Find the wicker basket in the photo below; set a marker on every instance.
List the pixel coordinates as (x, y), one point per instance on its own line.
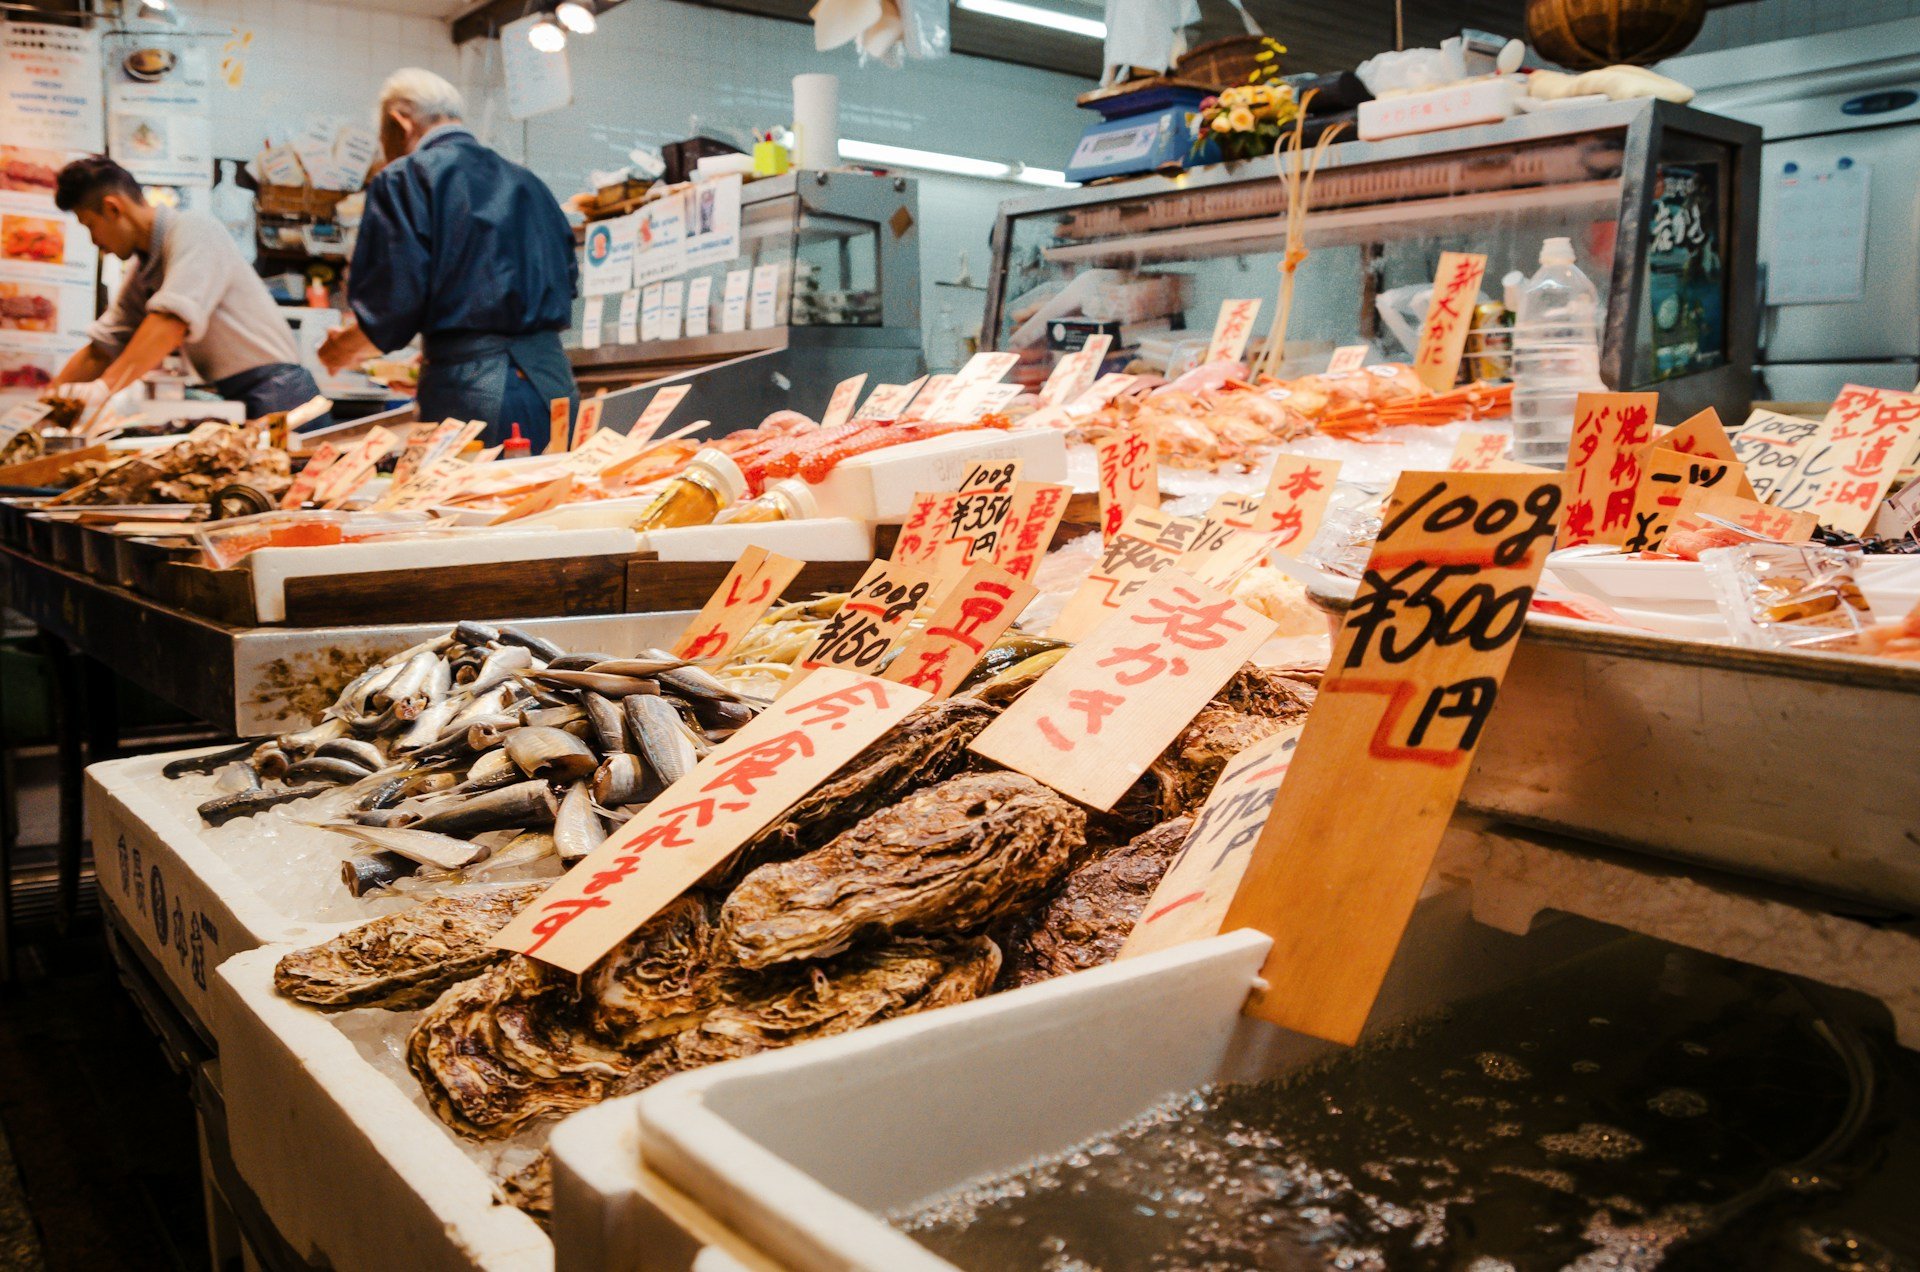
(1583, 35)
(1227, 63)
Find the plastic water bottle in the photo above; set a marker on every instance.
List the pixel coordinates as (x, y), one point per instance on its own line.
(1556, 355)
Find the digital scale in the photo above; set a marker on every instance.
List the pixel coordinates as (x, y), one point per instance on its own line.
(1145, 126)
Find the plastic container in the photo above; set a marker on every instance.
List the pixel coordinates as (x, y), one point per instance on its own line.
(789, 500)
(1556, 355)
(710, 482)
(516, 446)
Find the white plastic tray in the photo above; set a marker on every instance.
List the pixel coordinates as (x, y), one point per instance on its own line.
(880, 486)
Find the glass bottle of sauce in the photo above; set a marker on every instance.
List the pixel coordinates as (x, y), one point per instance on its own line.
(710, 482)
(789, 500)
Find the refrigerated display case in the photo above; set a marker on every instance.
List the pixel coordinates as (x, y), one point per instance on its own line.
(1658, 199)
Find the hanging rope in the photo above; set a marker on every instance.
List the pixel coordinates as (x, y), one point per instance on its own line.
(1298, 171)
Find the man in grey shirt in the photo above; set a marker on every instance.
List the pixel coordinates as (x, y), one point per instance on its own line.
(190, 289)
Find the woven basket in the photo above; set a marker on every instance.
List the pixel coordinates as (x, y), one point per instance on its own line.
(1227, 63)
(1583, 35)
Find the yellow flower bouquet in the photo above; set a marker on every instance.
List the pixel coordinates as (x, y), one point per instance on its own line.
(1246, 121)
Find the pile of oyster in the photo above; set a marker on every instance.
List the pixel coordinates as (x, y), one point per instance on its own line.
(918, 875)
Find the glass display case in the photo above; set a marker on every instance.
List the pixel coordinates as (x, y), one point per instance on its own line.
(1659, 201)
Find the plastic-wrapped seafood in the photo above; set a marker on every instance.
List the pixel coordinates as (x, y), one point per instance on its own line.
(1085, 923)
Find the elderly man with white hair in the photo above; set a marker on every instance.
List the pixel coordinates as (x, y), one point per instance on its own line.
(471, 253)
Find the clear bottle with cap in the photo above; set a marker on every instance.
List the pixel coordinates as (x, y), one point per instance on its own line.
(789, 500)
(1556, 355)
(710, 483)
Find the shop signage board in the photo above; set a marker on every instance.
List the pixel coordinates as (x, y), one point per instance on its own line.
(977, 608)
(751, 587)
(840, 405)
(875, 613)
(1443, 336)
(1414, 676)
(695, 824)
(1665, 479)
(1232, 328)
(699, 302)
(1129, 478)
(607, 252)
(1149, 541)
(1094, 723)
(1037, 509)
(1610, 430)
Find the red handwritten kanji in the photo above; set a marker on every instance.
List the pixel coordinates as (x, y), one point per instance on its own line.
(1149, 658)
(1192, 625)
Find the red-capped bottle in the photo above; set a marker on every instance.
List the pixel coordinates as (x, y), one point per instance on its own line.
(515, 446)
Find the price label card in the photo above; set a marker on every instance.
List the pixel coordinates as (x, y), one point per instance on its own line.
(1443, 336)
(1764, 520)
(1149, 542)
(978, 519)
(1870, 435)
(1104, 390)
(876, 612)
(1415, 672)
(1035, 515)
(1295, 503)
(889, 401)
(354, 469)
(969, 402)
(751, 587)
(699, 301)
(587, 423)
(1699, 434)
(766, 296)
(1667, 477)
(658, 408)
(695, 824)
(543, 497)
(650, 301)
(733, 301)
(1094, 723)
(925, 527)
(1348, 358)
(1477, 451)
(1075, 373)
(324, 457)
(1773, 447)
(1221, 553)
(986, 368)
(559, 425)
(1610, 430)
(840, 405)
(977, 608)
(1232, 328)
(629, 317)
(1129, 479)
(1192, 897)
(594, 315)
(931, 398)
(599, 452)
(672, 297)
(1899, 514)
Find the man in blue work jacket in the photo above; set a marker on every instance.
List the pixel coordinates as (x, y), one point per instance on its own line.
(469, 252)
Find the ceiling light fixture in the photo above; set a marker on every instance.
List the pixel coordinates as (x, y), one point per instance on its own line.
(158, 6)
(1034, 15)
(938, 161)
(576, 17)
(547, 36)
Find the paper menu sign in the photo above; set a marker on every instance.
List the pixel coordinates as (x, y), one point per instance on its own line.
(1477, 451)
(650, 300)
(980, 606)
(1414, 677)
(1766, 521)
(925, 527)
(1232, 328)
(1075, 373)
(695, 824)
(1129, 478)
(877, 610)
(751, 587)
(1037, 509)
(324, 456)
(629, 317)
(1109, 707)
(1443, 336)
(887, 401)
(1150, 542)
(1610, 430)
(1665, 478)
(672, 296)
(585, 424)
(699, 294)
(658, 408)
(1348, 358)
(766, 296)
(733, 301)
(1192, 897)
(590, 323)
(840, 405)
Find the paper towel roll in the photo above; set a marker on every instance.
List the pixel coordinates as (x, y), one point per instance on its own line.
(816, 121)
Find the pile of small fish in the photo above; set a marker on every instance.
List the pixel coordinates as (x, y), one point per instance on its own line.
(483, 748)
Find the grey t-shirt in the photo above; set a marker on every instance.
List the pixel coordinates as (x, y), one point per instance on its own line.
(193, 272)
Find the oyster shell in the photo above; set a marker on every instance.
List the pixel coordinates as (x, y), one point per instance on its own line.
(530, 1189)
(1088, 920)
(1181, 777)
(952, 858)
(658, 981)
(404, 960)
(1282, 693)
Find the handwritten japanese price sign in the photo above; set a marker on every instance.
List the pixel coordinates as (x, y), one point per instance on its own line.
(559, 418)
(1443, 336)
(658, 408)
(979, 515)
(588, 421)
(1701, 433)
(977, 609)
(1036, 512)
(1762, 519)
(1075, 373)
(840, 405)
(696, 823)
(876, 611)
(1221, 553)
(1235, 510)
(749, 590)
(355, 468)
(1872, 435)
(1348, 358)
(324, 456)
(1193, 895)
(1603, 465)
(1477, 452)
(1097, 720)
(601, 452)
(1775, 449)
(1295, 504)
(1668, 477)
(925, 528)
(1413, 678)
(547, 495)
(931, 398)
(1129, 479)
(1149, 541)
(888, 401)
(1232, 329)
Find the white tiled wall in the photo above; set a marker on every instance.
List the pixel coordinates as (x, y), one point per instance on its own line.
(1739, 25)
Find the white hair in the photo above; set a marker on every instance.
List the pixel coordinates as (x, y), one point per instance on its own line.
(421, 96)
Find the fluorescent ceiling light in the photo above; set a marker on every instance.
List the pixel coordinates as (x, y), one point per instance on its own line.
(1034, 15)
(547, 36)
(576, 17)
(959, 165)
(160, 5)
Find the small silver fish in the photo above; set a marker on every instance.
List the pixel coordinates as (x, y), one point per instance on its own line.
(499, 666)
(426, 727)
(550, 753)
(619, 779)
(576, 830)
(609, 733)
(509, 807)
(660, 738)
(423, 846)
(365, 754)
(610, 686)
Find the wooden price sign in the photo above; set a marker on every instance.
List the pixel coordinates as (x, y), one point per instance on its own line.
(1871, 435)
(876, 611)
(1221, 552)
(559, 418)
(1193, 895)
(1603, 464)
(976, 610)
(751, 587)
(355, 468)
(979, 515)
(840, 405)
(1763, 520)
(1149, 542)
(1699, 434)
(1476, 451)
(925, 528)
(1348, 358)
(1094, 723)
(1443, 336)
(1232, 329)
(658, 408)
(601, 452)
(889, 401)
(1129, 479)
(1036, 512)
(588, 421)
(324, 456)
(931, 397)
(1668, 476)
(547, 495)
(1075, 373)
(1295, 504)
(1413, 678)
(1774, 448)
(1104, 390)
(695, 824)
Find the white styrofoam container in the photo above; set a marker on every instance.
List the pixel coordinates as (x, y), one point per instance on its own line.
(1682, 588)
(352, 1172)
(796, 1153)
(880, 486)
(816, 539)
(1454, 106)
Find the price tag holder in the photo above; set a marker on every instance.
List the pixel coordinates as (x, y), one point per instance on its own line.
(1093, 724)
(1415, 672)
(1610, 430)
(751, 587)
(1443, 336)
(863, 629)
(1129, 478)
(1232, 328)
(976, 610)
(698, 822)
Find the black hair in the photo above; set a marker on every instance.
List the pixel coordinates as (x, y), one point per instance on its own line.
(84, 182)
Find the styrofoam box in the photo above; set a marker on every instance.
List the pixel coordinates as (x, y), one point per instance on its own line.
(817, 539)
(880, 486)
(1891, 583)
(352, 1172)
(796, 1153)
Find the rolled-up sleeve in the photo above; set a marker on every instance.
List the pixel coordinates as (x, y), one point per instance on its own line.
(387, 283)
(199, 263)
(110, 332)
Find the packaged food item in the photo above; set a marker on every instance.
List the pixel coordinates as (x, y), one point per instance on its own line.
(789, 500)
(1782, 596)
(710, 481)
